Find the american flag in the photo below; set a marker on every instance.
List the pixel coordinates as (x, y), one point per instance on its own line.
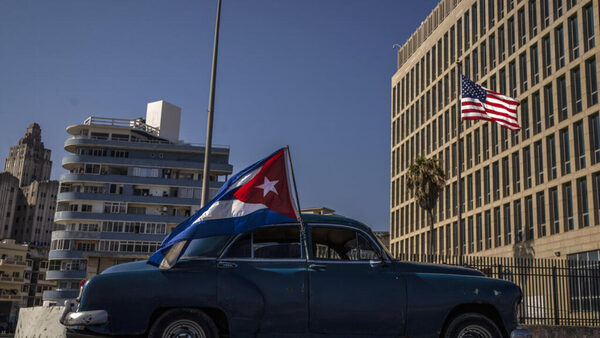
(479, 103)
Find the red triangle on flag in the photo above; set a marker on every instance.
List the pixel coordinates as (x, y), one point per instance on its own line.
(270, 187)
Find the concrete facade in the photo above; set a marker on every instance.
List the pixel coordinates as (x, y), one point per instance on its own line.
(127, 186)
(533, 193)
(12, 270)
(28, 196)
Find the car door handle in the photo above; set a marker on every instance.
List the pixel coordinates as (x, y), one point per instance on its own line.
(226, 265)
(319, 267)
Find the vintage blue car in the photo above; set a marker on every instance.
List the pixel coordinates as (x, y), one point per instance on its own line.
(333, 279)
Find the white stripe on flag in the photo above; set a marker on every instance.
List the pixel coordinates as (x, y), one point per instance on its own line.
(228, 209)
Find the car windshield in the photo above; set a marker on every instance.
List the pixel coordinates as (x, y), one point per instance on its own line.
(205, 247)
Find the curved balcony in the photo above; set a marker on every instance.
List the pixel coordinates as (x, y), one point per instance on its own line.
(97, 216)
(78, 196)
(60, 294)
(65, 254)
(159, 181)
(73, 142)
(65, 274)
(71, 161)
(123, 236)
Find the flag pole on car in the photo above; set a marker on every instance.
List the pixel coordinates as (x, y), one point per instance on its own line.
(298, 210)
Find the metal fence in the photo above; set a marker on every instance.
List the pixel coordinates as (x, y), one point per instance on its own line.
(555, 291)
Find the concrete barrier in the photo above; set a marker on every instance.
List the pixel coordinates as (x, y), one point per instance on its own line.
(40, 322)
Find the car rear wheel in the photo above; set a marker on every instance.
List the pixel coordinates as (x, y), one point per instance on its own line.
(183, 323)
(472, 325)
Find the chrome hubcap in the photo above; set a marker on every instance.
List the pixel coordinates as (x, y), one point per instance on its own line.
(474, 331)
(184, 328)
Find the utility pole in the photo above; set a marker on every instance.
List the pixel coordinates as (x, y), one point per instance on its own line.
(211, 107)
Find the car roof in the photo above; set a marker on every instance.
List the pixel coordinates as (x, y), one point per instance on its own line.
(334, 219)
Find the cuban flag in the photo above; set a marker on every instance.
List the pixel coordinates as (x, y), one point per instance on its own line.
(258, 195)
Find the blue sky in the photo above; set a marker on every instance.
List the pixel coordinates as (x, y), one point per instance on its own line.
(313, 74)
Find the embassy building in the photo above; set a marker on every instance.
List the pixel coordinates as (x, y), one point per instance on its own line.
(532, 193)
(129, 183)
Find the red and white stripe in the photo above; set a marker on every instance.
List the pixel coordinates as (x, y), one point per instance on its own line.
(497, 107)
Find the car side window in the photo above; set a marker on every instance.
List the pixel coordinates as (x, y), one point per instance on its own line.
(332, 243)
(280, 242)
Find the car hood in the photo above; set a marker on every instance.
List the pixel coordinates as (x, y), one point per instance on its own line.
(438, 268)
(130, 267)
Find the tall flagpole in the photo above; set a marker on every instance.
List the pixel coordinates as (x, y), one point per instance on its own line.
(211, 107)
(302, 227)
(459, 171)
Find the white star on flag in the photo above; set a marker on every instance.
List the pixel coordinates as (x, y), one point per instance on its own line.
(268, 186)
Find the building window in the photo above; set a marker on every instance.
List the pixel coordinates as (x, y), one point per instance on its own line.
(576, 99)
(541, 214)
(507, 225)
(471, 237)
(516, 173)
(512, 75)
(529, 218)
(568, 206)
(474, 23)
(522, 33)
(559, 44)
(546, 56)
(537, 117)
(492, 43)
(582, 201)
(496, 180)
(588, 27)
(478, 188)
(591, 82)
(479, 232)
(486, 185)
(551, 153)
(596, 191)
(497, 227)
(527, 167)
(485, 135)
(525, 118)
(563, 112)
(594, 125)
(548, 105)
(501, 47)
(545, 9)
(511, 35)
(505, 175)
(532, 19)
(554, 219)
(573, 38)
(558, 9)
(535, 67)
(579, 145)
(539, 167)
(565, 153)
(523, 71)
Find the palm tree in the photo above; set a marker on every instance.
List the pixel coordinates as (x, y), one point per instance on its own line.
(426, 180)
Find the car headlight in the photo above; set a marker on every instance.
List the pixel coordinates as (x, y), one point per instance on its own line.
(517, 309)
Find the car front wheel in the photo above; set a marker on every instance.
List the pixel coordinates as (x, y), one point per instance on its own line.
(183, 323)
(472, 325)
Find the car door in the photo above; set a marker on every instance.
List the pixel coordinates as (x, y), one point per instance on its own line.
(262, 282)
(352, 290)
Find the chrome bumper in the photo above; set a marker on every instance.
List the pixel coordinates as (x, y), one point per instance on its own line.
(70, 316)
(520, 332)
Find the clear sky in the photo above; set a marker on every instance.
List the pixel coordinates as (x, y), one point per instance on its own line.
(314, 74)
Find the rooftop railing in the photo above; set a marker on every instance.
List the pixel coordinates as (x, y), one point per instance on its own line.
(116, 122)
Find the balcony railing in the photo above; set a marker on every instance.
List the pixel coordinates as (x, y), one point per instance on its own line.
(107, 121)
(9, 262)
